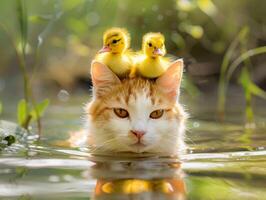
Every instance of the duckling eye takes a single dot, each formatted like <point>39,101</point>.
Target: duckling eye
<point>150,44</point>
<point>120,112</point>
<point>115,41</point>
<point>156,114</point>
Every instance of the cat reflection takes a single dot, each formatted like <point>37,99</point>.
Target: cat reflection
<point>137,180</point>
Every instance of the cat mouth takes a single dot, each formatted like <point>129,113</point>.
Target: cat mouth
<point>138,145</point>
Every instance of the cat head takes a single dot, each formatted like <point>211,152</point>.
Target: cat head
<point>136,115</point>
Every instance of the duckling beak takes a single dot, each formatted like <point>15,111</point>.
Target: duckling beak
<point>104,49</point>
<point>158,52</point>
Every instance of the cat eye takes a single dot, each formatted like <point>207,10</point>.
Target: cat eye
<point>120,112</point>
<point>157,114</point>
<point>150,44</point>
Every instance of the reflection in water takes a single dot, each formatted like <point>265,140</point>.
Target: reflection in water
<point>220,167</point>
<point>148,179</point>
<point>68,174</point>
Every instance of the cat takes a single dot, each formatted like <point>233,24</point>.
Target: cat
<point>136,115</point>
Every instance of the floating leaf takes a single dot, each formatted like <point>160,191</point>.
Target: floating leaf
<point>22,112</point>
<point>39,110</point>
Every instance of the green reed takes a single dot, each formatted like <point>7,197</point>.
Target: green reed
<point>228,68</point>
<point>29,110</point>
<point>222,87</point>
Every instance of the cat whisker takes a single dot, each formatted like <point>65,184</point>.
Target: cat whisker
<point>186,137</point>
<point>105,144</point>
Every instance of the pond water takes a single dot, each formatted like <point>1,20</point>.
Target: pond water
<point>225,161</point>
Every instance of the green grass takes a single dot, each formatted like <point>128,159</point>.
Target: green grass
<point>228,68</point>
<point>29,110</point>
<point>222,87</point>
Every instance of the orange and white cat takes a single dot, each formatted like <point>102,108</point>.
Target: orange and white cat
<point>136,115</point>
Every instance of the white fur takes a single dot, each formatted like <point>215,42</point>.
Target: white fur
<point>162,135</point>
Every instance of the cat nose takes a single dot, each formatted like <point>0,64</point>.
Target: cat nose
<point>138,134</point>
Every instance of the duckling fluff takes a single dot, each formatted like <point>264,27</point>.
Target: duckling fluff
<point>115,53</point>
<point>151,63</point>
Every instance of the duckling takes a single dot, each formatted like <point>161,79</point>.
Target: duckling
<point>115,52</point>
<point>151,62</point>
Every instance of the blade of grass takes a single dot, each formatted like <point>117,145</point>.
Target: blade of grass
<point>21,63</point>
<point>40,109</point>
<point>257,91</point>
<point>243,57</point>
<point>21,112</point>
<point>224,67</point>
<point>245,81</point>
<point>23,23</point>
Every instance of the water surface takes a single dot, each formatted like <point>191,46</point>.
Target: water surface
<point>225,161</point>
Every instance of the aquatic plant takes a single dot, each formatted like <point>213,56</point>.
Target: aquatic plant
<point>29,109</point>
<point>229,66</point>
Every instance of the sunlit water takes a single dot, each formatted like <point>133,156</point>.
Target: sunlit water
<point>225,161</point>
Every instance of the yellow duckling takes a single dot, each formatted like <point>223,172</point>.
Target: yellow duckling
<point>151,63</point>
<point>115,53</point>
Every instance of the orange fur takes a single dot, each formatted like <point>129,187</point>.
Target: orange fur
<point>128,89</point>
<point>139,98</point>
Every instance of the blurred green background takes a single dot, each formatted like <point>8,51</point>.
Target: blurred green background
<point>62,37</point>
<point>46,47</point>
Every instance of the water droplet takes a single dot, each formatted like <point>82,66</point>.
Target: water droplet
<point>196,124</point>
<point>63,95</point>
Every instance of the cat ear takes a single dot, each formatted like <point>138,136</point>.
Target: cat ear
<point>170,81</point>
<point>102,78</point>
